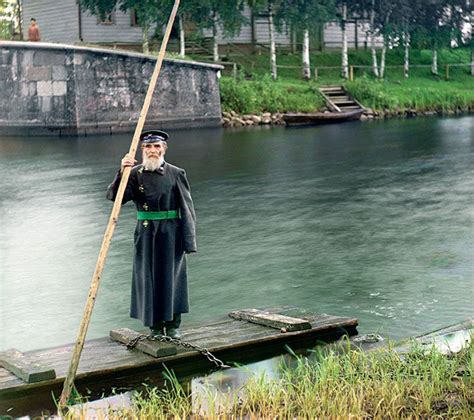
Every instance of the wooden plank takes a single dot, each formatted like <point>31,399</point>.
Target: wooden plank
<point>153,348</point>
<point>280,322</point>
<point>24,368</point>
<point>329,103</point>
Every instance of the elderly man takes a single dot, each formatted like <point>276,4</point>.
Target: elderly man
<point>165,232</point>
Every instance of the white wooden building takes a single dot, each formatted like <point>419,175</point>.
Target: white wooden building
<point>64,21</point>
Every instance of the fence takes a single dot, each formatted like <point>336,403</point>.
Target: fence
<point>336,71</point>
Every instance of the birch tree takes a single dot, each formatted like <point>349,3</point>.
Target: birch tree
<point>385,27</point>
<point>440,22</point>
<point>305,15</point>
<point>270,7</point>
<point>345,55</point>
<point>403,16</point>
<point>225,15</point>
<point>375,68</point>
<point>271,32</point>
<point>189,10</point>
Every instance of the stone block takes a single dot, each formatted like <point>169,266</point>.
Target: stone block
<point>5,57</point>
<point>48,58</point>
<point>45,88</point>
<point>59,73</point>
<point>27,59</point>
<point>24,89</point>
<point>46,103</point>
<point>5,73</point>
<point>39,73</point>
<point>32,89</point>
<point>32,105</point>
<point>59,88</point>
<point>78,59</point>
<point>59,104</point>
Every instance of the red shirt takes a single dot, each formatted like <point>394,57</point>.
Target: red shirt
<point>33,33</point>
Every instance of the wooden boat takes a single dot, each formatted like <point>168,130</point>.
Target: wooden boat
<point>107,363</point>
<point>321,117</point>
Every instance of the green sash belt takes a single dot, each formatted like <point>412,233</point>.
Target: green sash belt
<point>158,215</point>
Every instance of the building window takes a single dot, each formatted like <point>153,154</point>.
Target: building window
<point>108,19</point>
<point>134,18</point>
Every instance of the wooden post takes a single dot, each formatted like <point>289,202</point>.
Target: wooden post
<point>447,71</point>
<point>69,382</point>
<point>315,73</point>
<point>351,73</point>
<point>234,70</point>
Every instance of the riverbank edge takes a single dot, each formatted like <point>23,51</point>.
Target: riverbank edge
<point>233,119</point>
<point>390,365</point>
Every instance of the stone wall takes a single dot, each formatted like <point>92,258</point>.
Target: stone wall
<point>75,90</point>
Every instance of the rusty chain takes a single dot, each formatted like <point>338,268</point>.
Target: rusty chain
<point>166,339</point>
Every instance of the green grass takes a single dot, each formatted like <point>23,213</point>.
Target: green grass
<point>266,95</point>
<point>418,93</point>
<point>254,92</point>
<point>334,384</point>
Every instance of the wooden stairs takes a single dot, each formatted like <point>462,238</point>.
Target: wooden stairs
<point>339,100</point>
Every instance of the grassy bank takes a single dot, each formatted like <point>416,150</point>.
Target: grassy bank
<point>254,92</point>
<point>380,384</point>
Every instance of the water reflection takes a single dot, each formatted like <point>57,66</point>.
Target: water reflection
<point>364,220</point>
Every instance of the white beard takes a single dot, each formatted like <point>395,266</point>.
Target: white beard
<point>152,164</point>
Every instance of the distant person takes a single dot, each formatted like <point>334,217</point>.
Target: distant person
<point>33,31</point>
<point>165,232</point>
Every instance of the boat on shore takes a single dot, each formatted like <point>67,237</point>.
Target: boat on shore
<point>316,118</point>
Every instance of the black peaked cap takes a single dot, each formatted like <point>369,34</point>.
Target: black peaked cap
<point>152,136</point>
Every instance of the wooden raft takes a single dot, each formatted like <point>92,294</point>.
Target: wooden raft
<point>104,360</point>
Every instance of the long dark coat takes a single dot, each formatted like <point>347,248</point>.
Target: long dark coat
<point>159,282</point>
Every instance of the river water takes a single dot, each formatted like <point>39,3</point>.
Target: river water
<point>368,220</point>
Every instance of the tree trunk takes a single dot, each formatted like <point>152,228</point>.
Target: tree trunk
<point>253,31</point>
<point>434,63</point>
<point>182,42</point>
<point>145,46</point>
<point>18,12</point>
<point>273,63</point>
<point>382,60</point>
<point>406,62</point>
<point>293,40</point>
<point>345,58</point>
<point>215,45</point>
<point>375,68</point>
<point>306,65</point>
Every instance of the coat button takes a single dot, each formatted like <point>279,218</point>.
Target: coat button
<point>145,223</point>
<point>145,207</point>
<point>141,188</point>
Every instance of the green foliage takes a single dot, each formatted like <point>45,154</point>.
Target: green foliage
<point>438,22</point>
<point>99,8</point>
<point>7,19</point>
<point>227,13</point>
<point>371,93</point>
<point>421,91</point>
<point>428,94</point>
<point>266,95</point>
<point>303,14</point>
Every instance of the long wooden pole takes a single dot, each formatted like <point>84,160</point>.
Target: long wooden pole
<point>69,382</point>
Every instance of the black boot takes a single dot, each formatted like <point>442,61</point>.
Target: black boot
<point>158,328</point>
<point>172,327</point>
